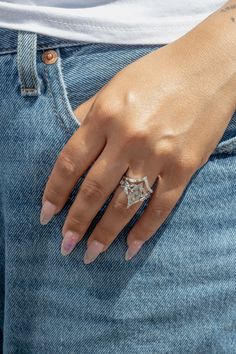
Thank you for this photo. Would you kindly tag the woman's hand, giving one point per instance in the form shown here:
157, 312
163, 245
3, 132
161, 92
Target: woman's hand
161, 117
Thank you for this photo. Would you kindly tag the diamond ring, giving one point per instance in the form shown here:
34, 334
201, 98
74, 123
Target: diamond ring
136, 189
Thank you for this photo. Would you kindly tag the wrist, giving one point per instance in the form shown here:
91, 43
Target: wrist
211, 46
221, 29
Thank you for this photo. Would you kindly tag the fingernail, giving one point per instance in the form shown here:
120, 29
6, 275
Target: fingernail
93, 250
133, 249
69, 242
47, 212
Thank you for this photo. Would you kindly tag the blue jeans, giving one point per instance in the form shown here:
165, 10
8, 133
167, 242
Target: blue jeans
176, 296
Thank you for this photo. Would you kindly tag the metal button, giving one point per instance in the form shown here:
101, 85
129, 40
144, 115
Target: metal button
49, 56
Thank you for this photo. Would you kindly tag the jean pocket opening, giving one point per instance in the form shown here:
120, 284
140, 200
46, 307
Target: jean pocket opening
226, 147
59, 95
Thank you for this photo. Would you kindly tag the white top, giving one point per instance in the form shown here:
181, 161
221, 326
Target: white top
114, 21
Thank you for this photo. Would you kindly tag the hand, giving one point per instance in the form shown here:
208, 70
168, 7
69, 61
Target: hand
161, 117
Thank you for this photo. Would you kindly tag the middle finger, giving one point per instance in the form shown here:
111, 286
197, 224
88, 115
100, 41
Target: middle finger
100, 182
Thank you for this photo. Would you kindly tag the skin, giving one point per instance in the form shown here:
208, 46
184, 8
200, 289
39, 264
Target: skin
161, 116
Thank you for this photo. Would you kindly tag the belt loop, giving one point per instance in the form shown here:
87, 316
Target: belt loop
26, 63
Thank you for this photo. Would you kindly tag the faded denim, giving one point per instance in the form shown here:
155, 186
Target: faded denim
178, 295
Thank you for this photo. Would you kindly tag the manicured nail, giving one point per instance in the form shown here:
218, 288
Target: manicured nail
47, 212
93, 250
133, 249
69, 242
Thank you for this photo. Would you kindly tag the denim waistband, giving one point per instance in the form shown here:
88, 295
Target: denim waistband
26, 45
9, 39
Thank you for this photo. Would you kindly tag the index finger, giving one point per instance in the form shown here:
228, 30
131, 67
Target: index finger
73, 160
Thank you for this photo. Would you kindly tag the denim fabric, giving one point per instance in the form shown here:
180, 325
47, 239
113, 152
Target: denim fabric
27, 63
178, 295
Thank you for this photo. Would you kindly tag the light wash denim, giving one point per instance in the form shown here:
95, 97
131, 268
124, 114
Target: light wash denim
178, 295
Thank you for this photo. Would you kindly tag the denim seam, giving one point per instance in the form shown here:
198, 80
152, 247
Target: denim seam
69, 109
33, 66
19, 56
60, 44
74, 44
77, 50
54, 108
91, 45
41, 46
53, 45
34, 78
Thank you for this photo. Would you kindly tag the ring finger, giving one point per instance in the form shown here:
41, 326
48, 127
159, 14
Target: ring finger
117, 215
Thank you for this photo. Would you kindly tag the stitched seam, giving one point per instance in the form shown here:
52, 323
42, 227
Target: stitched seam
54, 107
61, 82
57, 44
124, 29
79, 49
132, 46
21, 71
33, 66
117, 45
32, 69
74, 44
66, 102
48, 46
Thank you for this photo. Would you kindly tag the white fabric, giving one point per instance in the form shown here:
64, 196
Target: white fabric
114, 21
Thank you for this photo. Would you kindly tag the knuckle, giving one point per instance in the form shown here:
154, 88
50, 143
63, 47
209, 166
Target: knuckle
165, 149
91, 190
144, 231
77, 223
65, 165
134, 139
52, 193
133, 136
104, 234
107, 108
160, 212
182, 161
131, 97
187, 163
120, 207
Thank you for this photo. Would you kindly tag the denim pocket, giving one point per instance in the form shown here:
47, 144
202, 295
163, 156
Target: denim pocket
58, 95
226, 147
227, 143
74, 78
81, 71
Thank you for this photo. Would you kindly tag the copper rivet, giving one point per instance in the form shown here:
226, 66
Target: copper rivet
49, 56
